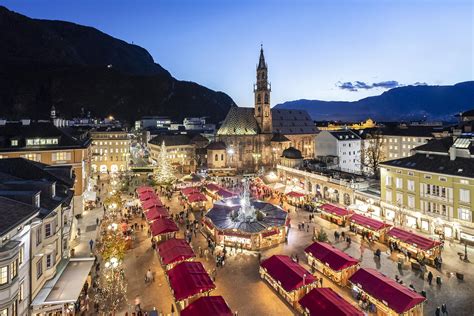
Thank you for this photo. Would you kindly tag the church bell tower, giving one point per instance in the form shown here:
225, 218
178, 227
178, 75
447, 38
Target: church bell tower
262, 90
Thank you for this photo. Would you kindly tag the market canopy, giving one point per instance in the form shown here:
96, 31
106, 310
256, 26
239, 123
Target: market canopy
151, 203
368, 222
174, 250
289, 274
197, 197
396, 296
335, 210
207, 305
147, 196
212, 187
155, 213
225, 193
336, 259
162, 226
413, 239
294, 194
188, 279
144, 189
190, 190
324, 301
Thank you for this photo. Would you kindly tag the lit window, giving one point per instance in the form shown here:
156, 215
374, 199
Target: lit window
465, 195
411, 201
388, 196
3, 275
13, 269
14, 142
21, 254
388, 180
465, 214
399, 183
4, 312
21, 292
61, 156
39, 268
411, 185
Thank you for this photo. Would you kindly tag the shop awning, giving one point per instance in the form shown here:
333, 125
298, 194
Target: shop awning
162, 226
207, 305
335, 210
197, 197
147, 196
294, 194
174, 250
368, 222
155, 213
413, 239
287, 273
67, 285
396, 296
190, 190
188, 279
143, 189
324, 301
151, 203
336, 259
212, 187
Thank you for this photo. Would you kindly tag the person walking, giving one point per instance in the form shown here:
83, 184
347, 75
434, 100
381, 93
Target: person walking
91, 244
430, 277
444, 309
149, 275
438, 311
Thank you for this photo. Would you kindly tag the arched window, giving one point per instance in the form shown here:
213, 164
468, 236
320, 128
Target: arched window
266, 98
216, 157
222, 156
259, 98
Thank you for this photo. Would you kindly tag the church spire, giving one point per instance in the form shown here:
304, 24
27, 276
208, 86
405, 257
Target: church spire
262, 91
261, 63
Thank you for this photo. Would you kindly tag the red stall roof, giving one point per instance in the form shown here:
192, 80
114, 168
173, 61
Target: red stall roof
144, 188
287, 272
336, 259
207, 305
162, 226
189, 278
190, 190
368, 222
325, 302
396, 296
147, 195
196, 197
413, 239
333, 209
212, 187
174, 250
155, 213
151, 203
295, 194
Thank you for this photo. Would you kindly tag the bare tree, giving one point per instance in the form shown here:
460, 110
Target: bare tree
372, 153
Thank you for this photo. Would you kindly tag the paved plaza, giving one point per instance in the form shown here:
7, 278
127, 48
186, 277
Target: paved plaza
238, 281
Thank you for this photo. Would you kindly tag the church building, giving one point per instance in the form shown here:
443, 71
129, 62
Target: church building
257, 136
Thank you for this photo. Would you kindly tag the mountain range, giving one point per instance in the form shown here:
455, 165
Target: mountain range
78, 68
398, 104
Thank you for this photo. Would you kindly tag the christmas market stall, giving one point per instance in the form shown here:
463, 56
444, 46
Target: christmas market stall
147, 196
368, 227
155, 213
173, 252
332, 262
196, 201
188, 282
384, 296
151, 203
295, 198
143, 189
420, 247
163, 229
206, 306
335, 214
189, 190
287, 277
326, 302
216, 192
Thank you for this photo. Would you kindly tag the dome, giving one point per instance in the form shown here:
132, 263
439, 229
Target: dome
292, 153
216, 146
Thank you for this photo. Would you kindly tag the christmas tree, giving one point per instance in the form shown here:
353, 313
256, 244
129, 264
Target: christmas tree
164, 171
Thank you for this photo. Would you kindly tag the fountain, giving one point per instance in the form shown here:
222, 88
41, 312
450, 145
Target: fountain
247, 212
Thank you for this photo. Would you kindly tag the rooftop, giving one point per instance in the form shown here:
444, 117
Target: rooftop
13, 213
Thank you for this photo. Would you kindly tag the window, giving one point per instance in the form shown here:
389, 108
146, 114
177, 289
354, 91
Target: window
38, 200
443, 179
411, 173
39, 268
3, 275
399, 198
388, 180
464, 181
465, 214
222, 157
14, 269
399, 183
216, 157
39, 232
465, 195
427, 176
34, 157
47, 230
411, 201
14, 142
21, 292
4, 312
49, 261
411, 185
388, 196
15, 308
21, 254
61, 156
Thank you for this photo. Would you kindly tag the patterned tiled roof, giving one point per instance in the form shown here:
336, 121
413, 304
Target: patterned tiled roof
288, 122
239, 121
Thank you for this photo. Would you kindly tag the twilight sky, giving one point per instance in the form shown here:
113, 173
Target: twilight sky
327, 50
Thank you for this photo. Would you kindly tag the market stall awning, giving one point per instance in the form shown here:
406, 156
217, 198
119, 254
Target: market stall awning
190, 190
223, 193
212, 187
162, 226
413, 239
155, 213
294, 194
174, 250
147, 196
67, 285
324, 301
197, 197
335, 210
152, 203
396, 296
143, 189
188, 279
336, 259
207, 305
288, 273
368, 222
192, 178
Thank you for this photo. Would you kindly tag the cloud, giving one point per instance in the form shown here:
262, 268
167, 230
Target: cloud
360, 85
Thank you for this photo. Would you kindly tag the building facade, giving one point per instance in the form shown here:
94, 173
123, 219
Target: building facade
110, 150
343, 144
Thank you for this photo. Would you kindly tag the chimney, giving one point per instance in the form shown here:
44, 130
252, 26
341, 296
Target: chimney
452, 153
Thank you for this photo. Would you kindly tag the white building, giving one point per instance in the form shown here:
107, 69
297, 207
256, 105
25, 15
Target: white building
343, 144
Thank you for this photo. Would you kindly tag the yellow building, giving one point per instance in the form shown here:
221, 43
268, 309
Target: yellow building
433, 190
110, 150
369, 123
43, 142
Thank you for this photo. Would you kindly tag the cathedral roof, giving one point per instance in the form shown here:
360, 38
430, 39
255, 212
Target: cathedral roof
279, 138
261, 61
239, 121
288, 122
292, 153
